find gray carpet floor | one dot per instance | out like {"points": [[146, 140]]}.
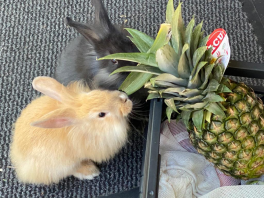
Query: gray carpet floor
{"points": [[32, 35]]}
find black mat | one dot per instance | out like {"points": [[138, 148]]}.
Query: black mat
{"points": [[32, 35]]}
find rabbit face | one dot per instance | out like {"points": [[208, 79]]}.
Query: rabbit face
{"points": [[100, 106]]}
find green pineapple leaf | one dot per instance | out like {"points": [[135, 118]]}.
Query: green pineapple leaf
{"points": [[215, 109], [153, 96], [162, 38], [167, 59], [149, 86], [139, 68], [208, 116], [170, 103], [196, 58], [173, 90], [197, 118], [142, 58], [165, 96], [179, 99], [169, 111], [171, 94], [134, 82], [142, 41], [187, 39], [194, 99], [195, 38], [199, 67], [191, 92], [169, 11], [185, 115], [208, 71], [172, 79], [200, 38], [195, 106], [208, 55], [222, 106], [163, 84], [195, 82], [212, 86], [178, 29], [223, 89], [183, 66], [203, 41], [202, 74], [213, 97], [218, 73]]}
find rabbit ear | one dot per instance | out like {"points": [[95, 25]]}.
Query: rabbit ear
{"points": [[102, 22], [83, 29], [56, 119], [49, 87], [101, 16]]}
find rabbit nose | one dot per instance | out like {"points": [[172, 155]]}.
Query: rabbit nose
{"points": [[123, 96]]}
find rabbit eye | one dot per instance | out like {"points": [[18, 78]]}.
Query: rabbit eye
{"points": [[114, 61], [102, 114]]}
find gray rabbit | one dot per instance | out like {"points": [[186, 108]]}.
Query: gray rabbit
{"points": [[79, 59]]}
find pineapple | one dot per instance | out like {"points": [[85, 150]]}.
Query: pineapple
{"points": [[225, 119]]}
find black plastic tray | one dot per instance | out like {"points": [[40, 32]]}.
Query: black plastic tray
{"points": [[149, 184], [151, 162]]}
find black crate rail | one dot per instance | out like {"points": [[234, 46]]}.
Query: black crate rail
{"points": [[150, 178], [245, 69]]}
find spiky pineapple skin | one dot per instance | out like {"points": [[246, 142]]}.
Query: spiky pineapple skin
{"points": [[235, 144]]}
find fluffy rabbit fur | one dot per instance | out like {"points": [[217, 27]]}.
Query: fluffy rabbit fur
{"points": [[79, 59], [68, 129]]}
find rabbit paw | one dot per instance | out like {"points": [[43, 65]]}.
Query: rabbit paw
{"points": [[87, 170]]}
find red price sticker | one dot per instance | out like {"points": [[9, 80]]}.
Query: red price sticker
{"points": [[218, 40]]}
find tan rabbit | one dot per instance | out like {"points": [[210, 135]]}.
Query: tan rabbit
{"points": [[63, 132]]}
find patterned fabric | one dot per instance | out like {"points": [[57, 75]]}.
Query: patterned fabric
{"points": [[32, 35], [181, 137], [247, 191], [183, 173]]}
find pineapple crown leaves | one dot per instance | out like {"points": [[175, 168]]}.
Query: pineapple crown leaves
{"points": [[176, 66]]}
